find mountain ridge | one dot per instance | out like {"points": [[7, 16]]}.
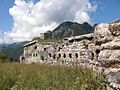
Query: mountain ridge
{"points": [[68, 29]]}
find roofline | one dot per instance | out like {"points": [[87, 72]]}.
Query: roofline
{"points": [[85, 36], [30, 43]]}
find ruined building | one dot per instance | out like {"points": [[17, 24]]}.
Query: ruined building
{"points": [[100, 49], [103, 45]]}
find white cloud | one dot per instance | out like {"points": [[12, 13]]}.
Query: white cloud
{"points": [[31, 19]]}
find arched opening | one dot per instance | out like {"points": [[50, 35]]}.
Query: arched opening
{"points": [[42, 58], [64, 55], [97, 51], [59, 55], [33, 54], [49, 55], [44, 49], [70, 55], [76, 55], [35, 47], [36, 55], [54, 56]]}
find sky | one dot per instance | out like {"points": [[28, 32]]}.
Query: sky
{"points": [[22, 20]]}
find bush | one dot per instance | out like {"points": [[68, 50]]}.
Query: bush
{"points": [[3, 57]]}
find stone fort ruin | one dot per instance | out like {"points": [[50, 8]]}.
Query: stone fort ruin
{"points": [[99, 50], [103, 45]]}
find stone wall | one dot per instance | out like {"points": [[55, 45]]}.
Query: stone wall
{"points": [[102, 46], [73, 51], [108, 42], [100, 49]]}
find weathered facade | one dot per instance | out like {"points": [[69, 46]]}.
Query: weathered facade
{"points": [[47, 35], [72, 51], [100, 49], [102, 45]]}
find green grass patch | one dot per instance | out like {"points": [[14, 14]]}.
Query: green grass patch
{"points": [[47, 40], [17, 76]]}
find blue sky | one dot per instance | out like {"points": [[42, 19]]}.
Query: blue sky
{"points": [[5, 19], [107, 11]]}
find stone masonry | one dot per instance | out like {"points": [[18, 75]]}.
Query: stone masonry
{"points": [[100, 48]]}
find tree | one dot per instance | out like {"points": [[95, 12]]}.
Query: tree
{"points": [[3, 57]]}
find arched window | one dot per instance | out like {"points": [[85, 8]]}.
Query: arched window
{"points": [[35, 47], [64, 55], [33, 54], [97, 51], [59, 55], [49, 55], [36, 54], [44, 49], [54, 56], [70, 55], [76, 55]]}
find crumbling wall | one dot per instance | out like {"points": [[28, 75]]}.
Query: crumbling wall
{"points": [[107, 42], [99, 50], [102, 46]]}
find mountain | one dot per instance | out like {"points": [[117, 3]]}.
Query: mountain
{"points": [[68, 29], [13, 50]]}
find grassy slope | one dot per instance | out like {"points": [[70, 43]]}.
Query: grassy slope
{"points": [[44, 77]]}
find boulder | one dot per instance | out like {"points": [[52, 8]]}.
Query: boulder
{"points": [[102, 33], [115, 29], [113, 45], [107, 58], [113, 78]]}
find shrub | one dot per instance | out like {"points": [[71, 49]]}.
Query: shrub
{"points": [[3, 57]]}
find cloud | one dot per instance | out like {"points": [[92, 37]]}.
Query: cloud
{"points": [[31, 19]]}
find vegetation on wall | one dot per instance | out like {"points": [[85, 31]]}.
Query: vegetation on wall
{"points": [[47, 40], [115, 30], [116, 27]]}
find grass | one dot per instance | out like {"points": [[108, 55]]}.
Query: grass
{"points": [[47, 40], [15, 76]]}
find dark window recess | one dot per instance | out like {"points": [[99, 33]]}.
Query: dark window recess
{"points": [[64, 55], [76, 55], [97, 43], [42, 57], [44, 49], [23, 58], [92, 54], [97, 52], [59, 49], [70, 55], [71, 41], [59, 55], [36, 54], [35, 47], [54, 56], [49, 55]]}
